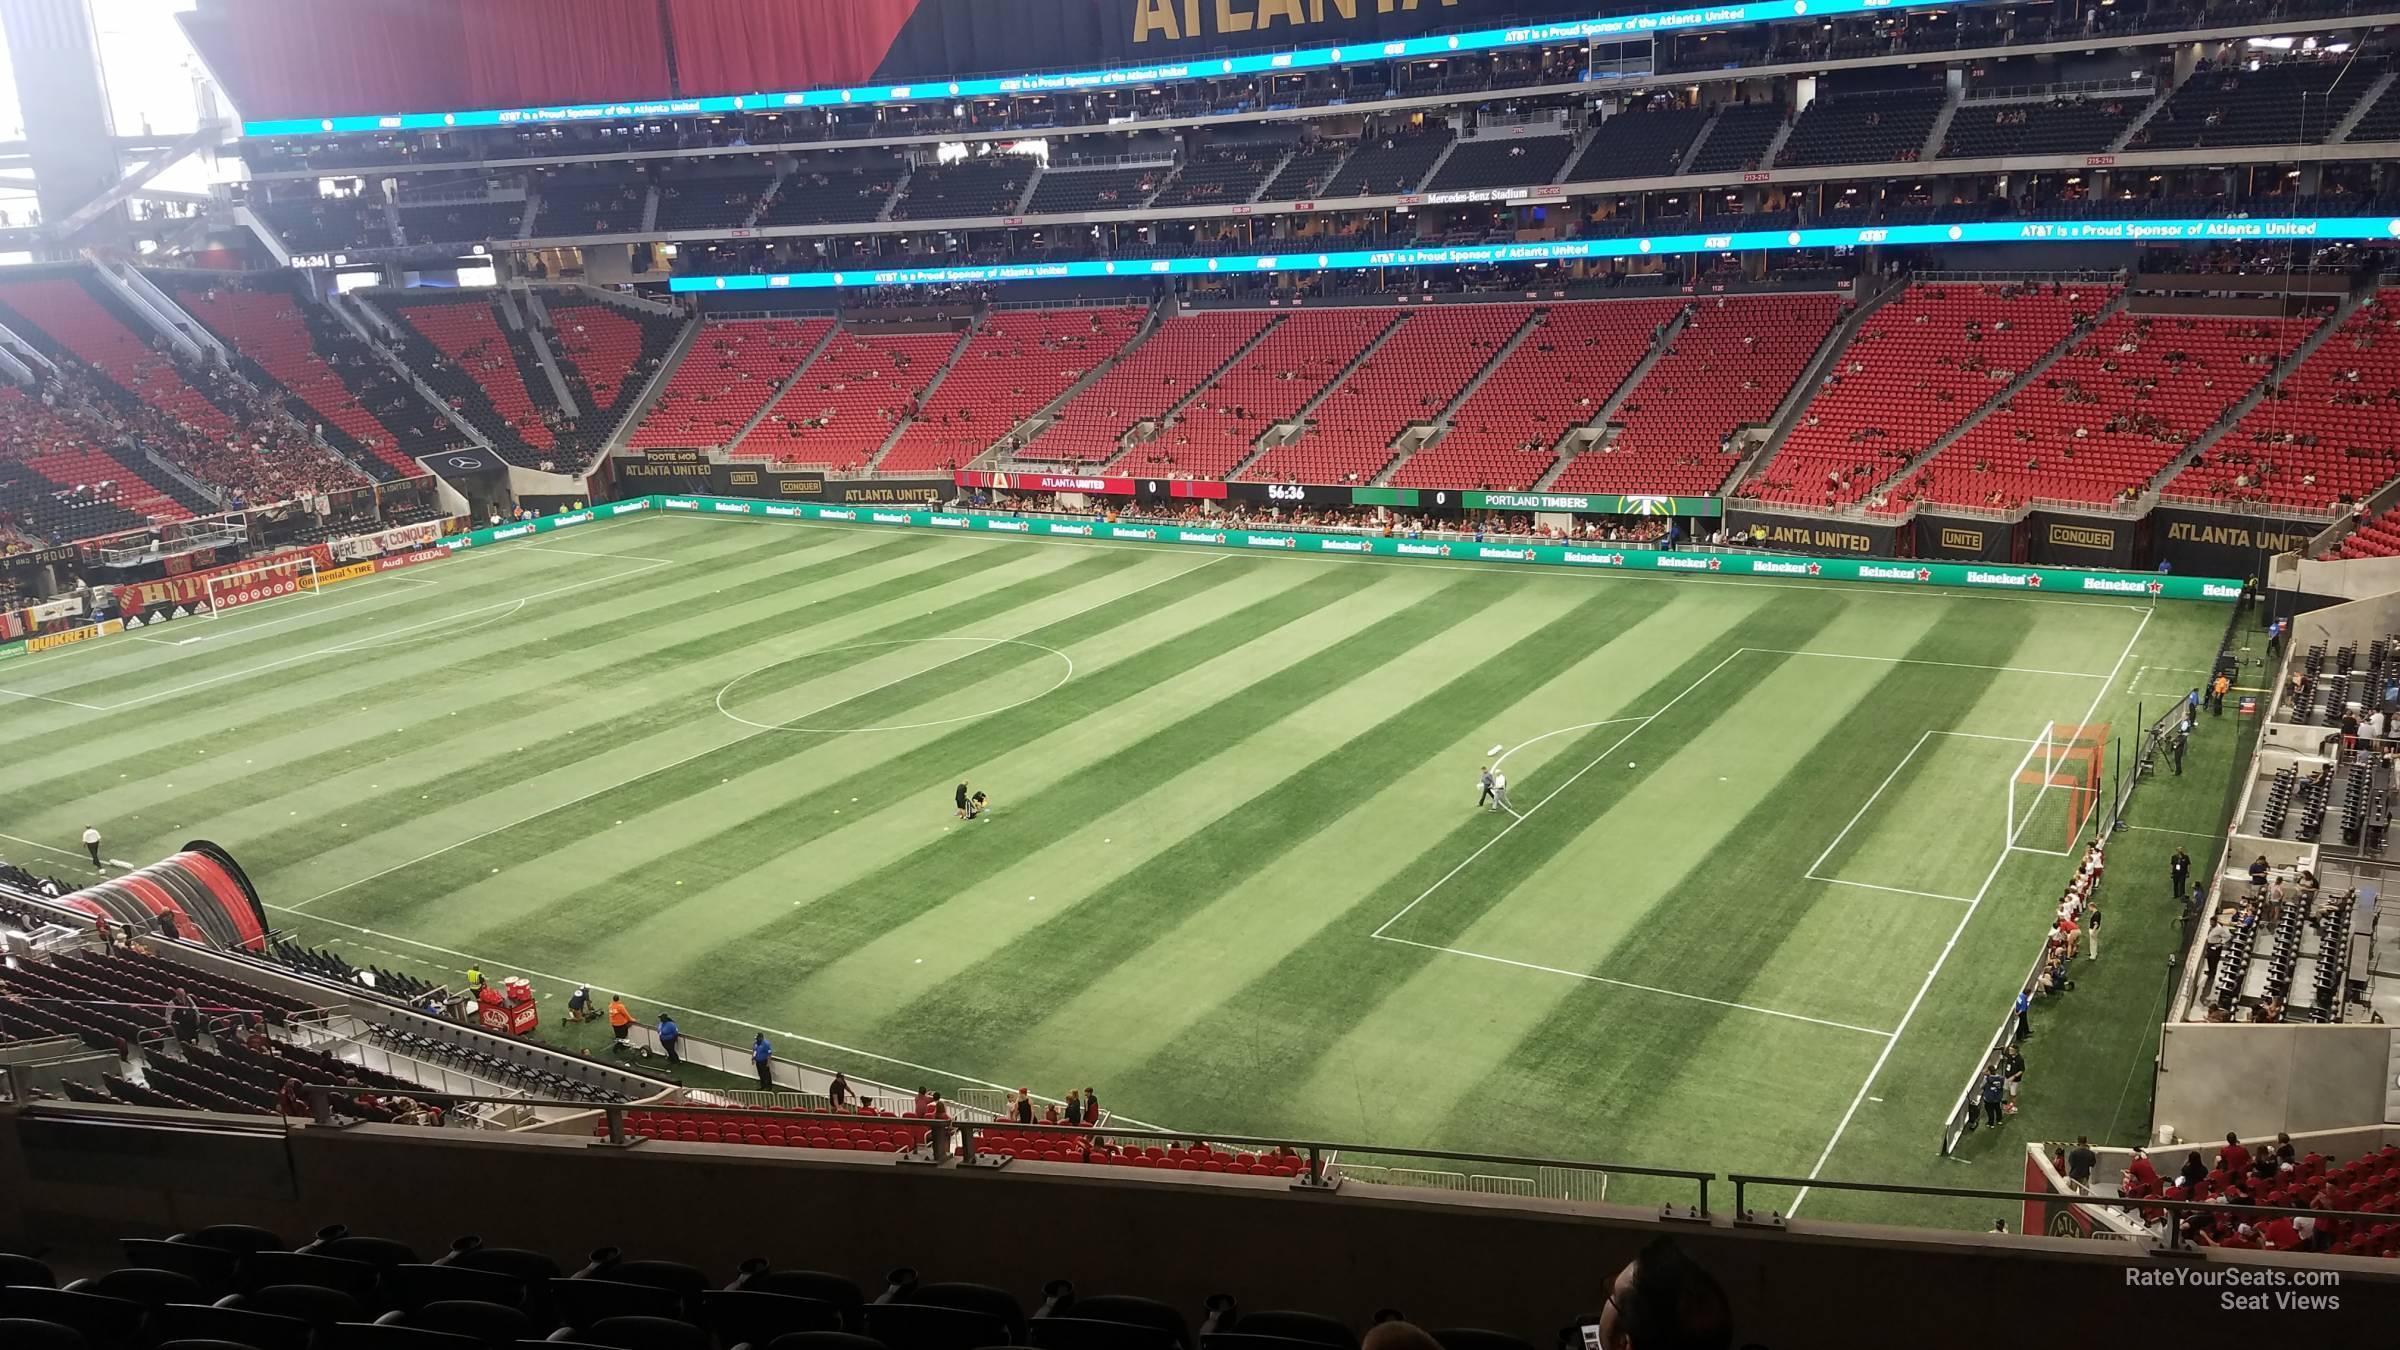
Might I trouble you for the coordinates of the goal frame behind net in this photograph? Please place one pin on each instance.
(2067, 759)
(250, 585)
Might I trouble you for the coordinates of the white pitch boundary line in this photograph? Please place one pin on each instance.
(45, 698)
(1914, 661)
(2161, 829)
(1810, 874)
(1644, 988)
(1895, 890)
(1810, 871)
(46, 848)
(1613, 747)
(702, 1013)
(1876, 1070)
(698, 754)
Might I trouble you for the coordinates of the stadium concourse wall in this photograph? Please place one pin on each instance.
(2259, 1079)
(78, 1177)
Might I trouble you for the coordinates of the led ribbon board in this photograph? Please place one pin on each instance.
(1123, 77)
(1579, 250)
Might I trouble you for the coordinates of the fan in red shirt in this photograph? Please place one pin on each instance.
(2233, 1159)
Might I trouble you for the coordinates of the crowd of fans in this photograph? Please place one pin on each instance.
(1380, 521)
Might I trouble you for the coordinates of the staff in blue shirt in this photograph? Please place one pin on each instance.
(669, 1035)
(762, 1057)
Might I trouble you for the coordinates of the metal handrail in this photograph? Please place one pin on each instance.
(1318, 1152)
(1743, 1180)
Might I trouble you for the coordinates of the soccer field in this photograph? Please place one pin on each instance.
(1755, 908)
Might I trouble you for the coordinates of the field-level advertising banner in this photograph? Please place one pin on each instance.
(525, 529)
(2064, 540)
(1810, 534)
(690, 471)
(347, 572)
(357, 546)
(2227, 543)
(1592, 503)
(1966, 538)
(191, 587)
(1900, 572)
(1095, 485)
(69, 637)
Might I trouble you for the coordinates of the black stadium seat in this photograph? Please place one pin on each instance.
(753, 1317)
(387, 1336)
(16, 1269)
(824, 1340)
(355, 1278)
(640, 1333)
(414, 1286)
(150, 1288)
(581, 1302)
(202, 1321)
(489, 1323)
(20, 1333)
(105, 1322)
(213, 1267)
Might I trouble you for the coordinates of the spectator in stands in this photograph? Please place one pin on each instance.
(288, 1100)
(2080, 1162)
(1023, 1106)
(2233, 1159)
(838, 1091)
(762, 1058)
(1663, 1299)
(1398, 1335)
(1091, 1106)
(926, 1101)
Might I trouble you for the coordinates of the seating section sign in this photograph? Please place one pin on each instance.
(1590, 557)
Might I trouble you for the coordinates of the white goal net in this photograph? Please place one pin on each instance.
(2055, 787)
(267, 581)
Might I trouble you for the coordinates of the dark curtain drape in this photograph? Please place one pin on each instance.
(303, 58)
(742, 46)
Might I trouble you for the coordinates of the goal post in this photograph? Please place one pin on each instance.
(250, 585)
(2055, 791)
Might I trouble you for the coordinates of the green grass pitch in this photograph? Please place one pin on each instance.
(1756, 912)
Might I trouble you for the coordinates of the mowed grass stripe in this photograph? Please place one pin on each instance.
(428, 885)
(1166, 837)
(1731, 917)
(421, 695)
(1274, 1030)
(1002, 993)
(237, 711)
(682, 724)
(1178, 978)
(907, 887)
(623, 711)
(900, 815)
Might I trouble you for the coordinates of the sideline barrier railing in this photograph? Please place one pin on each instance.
(950, 1142)
(2173, 1242)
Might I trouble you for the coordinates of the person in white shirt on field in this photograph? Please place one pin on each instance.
(91, 845)
(1500, 793)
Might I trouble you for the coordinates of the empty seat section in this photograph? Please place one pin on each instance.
(1739, 138)
(987, 185)
(1220, 427)
(1505, 435)
(1095, 189)
(1225, 174)
(2105, 418)
(843, 406)
(2330, 431)
(1429, 357)
(1873, 128)
(728, 373)
(1732, 365)
(1918, 367)
(1016, 364)
(607, 356)
(1143, 386)
(1638, 144)
(1391, 163)
(1502, 161)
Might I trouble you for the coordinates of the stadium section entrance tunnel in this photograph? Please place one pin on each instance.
(201, 892)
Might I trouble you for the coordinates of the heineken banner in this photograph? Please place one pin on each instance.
(2225, 543)
(2082, 541)
(1808, 534)
(2055, 581)
(1597, 504)
(1966, 537)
